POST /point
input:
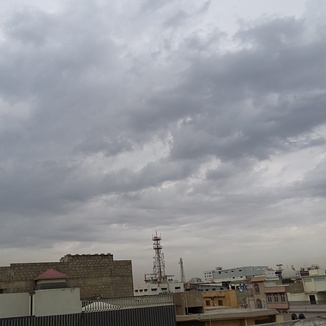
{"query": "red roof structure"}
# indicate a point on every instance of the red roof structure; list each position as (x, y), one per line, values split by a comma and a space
(50, 274)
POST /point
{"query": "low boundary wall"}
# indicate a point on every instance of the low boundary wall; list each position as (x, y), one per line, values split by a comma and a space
(143, 316)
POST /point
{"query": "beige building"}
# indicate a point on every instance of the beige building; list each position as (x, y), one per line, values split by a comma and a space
(308, 297)
(225, 298)
(268, 294)
(97, 276)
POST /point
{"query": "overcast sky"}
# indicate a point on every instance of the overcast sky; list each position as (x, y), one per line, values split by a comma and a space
(202, 120)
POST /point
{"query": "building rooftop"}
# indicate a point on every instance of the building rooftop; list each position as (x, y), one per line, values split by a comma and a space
(227, 313)
(50, 274)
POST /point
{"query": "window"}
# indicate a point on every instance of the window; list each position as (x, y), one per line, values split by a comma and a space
(208, 302)
(177, 287)
(269, 298)
(283, 297)
(275, 297)
(256, 287)
(220, 302)
(135, 290)
(258, 303)
(154, 289)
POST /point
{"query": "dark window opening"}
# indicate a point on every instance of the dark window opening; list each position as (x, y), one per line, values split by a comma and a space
(312, 299)
(194, 310)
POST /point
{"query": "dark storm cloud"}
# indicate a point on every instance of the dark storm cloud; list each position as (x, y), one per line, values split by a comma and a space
(143, 116)
(257, 98)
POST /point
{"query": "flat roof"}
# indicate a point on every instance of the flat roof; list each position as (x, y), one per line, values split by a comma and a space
(228, 313)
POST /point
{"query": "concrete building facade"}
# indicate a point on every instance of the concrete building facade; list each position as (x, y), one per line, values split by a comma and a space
(225, 298)
(97, 276)
(234, 274)
(269, 295)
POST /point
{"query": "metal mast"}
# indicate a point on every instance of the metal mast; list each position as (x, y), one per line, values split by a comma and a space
(159, 264)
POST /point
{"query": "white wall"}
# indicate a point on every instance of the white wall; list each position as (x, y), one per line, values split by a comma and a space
(57, 302)
(14, 305)
(314, 283)
(297, 297)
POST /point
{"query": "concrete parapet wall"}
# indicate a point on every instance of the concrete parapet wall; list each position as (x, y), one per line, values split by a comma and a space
(14, 305)
(56, 302)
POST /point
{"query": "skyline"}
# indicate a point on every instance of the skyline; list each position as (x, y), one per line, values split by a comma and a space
(204, 121)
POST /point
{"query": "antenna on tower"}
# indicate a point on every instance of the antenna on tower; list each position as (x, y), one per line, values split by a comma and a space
(183, 277)
(159, 264)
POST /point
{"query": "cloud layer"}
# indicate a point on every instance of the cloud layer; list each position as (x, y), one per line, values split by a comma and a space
(117, 120)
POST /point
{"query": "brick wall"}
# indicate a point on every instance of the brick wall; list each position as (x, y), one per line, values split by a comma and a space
(96, 275)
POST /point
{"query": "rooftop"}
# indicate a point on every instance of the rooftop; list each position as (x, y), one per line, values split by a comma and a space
(50, 274)
(227, 313)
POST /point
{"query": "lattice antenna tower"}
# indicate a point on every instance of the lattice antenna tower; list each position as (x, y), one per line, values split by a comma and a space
(159, 263)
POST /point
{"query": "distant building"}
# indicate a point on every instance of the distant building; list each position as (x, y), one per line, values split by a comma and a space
(309, 296)
(204, 287)
(225, 298)
(269, 294)
(97, 276)
(170, 286)
(238, 274)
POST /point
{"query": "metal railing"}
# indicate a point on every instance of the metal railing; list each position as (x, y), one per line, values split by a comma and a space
(127, 303)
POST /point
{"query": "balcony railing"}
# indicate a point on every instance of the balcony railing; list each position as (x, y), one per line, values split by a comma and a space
(127, 303)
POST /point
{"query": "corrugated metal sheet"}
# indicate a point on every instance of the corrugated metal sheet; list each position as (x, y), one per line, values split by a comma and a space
(146, 316)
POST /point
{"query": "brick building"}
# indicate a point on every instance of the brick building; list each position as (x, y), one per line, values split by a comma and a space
(97, 276)
(269, 294)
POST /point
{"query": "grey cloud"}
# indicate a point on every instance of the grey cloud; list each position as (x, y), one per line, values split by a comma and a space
(177, 19)
(30, 26)
(92, 86)
(153, 5)
(313, 184)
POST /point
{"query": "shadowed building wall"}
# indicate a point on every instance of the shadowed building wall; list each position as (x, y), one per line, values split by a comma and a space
(97, 276)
